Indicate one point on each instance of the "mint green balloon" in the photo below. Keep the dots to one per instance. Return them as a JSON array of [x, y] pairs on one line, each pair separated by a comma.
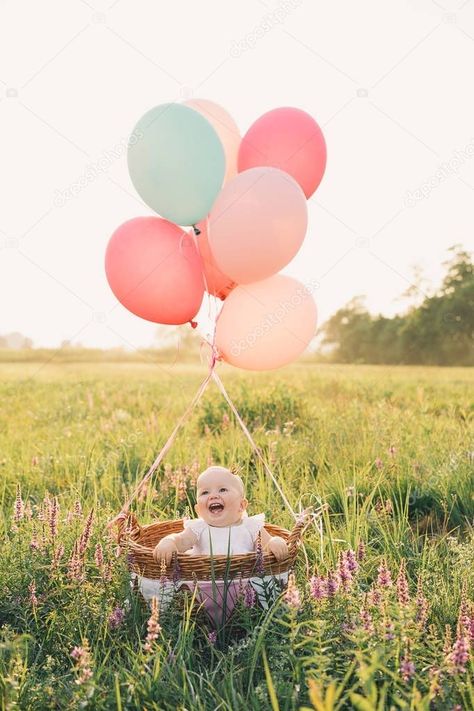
[[176, 162]]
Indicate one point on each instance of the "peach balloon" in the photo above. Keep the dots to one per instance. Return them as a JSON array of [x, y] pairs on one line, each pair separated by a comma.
[[216, 283], [266, 324], [155, 271], [289, 139], [225, 127], [257, 224]]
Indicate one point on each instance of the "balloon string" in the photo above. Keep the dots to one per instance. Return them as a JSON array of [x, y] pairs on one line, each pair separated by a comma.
[[221, 387]]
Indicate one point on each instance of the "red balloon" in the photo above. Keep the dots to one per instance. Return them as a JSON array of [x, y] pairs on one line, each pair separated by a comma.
[[289, 139], [155, 271], [217, 283]]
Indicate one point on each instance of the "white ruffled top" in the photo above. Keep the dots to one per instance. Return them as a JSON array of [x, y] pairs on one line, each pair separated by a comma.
[[238, 538]]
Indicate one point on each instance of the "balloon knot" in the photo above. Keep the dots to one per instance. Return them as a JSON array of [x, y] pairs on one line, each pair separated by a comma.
[[197, 231], [193, 324]]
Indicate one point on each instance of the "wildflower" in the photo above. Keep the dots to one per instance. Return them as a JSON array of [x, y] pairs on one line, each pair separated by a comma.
[[259, 564], [292, 595], [333, 583], [435, 686], [345, 575], [459, 655], [225, 421], [378, 463], [384, 578], [77, 509], [366, 619], [75, 564], [19, 507], [318, 587], [86, 533], [176, 569], [99, 555], [407, 668], [212, 637], [422, 605], [116, 617], [403, 594], [250, 596], [34, 545], [82, 659], [28, 511], [351, 560], [53, 512], [361, 551], [392, 450], [374, 597], [107, 572], [389, 629], [163, 576], [153, 626], [32, 591], [58, 554]]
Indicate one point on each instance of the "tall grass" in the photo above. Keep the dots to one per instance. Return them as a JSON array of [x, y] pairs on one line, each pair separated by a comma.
[[389, 449]]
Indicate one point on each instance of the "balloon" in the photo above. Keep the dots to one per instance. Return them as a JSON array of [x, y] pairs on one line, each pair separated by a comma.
[[257, 224], [225, 127], [289, 139], [216, 283], [266, 324], [155, 271], [176, 162]]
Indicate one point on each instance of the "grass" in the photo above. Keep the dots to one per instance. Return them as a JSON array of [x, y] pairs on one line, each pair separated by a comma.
[[389, 449]]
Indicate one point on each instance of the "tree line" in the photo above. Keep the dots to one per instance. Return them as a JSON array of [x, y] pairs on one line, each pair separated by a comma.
[[437, 331]]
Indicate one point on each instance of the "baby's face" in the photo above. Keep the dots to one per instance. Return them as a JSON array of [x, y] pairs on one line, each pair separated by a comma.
[[219, 499]]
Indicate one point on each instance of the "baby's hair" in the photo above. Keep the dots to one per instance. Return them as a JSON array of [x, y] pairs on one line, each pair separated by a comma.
[[224, 470]]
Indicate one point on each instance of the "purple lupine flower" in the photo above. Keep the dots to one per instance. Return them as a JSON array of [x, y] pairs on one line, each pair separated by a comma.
[[459, 656], [176, 574], [374, 597], [292, 595], [75, 564], [53, 514], [153, 626], [407, 668], [116, 617], [77, 509], [351, 560], [422, 605], [82, 659], [345, 575], [318, 587], [34, 545], [18, 507], [250, 596], [403, 594], [384, 578], [361, 551], [58, 554], [32, 591], [366, 619], [99, 555], [389, 629], [86, 533], [259, 564], [212, 637], [333, 583]]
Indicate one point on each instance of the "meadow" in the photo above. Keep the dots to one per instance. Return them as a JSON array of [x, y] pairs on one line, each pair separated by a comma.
[[380, 613]]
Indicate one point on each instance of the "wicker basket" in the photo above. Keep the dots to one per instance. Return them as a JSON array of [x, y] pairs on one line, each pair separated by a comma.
[[141, 540]]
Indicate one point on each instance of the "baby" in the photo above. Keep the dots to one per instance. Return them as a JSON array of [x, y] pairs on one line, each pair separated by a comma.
[[223, 523]]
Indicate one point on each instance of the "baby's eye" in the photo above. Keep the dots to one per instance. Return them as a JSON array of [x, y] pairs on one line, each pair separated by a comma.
[[204, 492], [222, 488]]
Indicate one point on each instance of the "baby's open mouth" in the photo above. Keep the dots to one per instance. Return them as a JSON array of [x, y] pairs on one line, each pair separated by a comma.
[[216, 507]]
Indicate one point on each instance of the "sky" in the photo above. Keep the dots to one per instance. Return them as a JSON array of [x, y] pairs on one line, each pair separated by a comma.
[[390, 84]]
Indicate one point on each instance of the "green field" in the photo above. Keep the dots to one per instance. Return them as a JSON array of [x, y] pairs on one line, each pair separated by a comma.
[[389, 449]]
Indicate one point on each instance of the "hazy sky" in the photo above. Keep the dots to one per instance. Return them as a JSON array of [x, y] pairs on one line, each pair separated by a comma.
[[389, 82]]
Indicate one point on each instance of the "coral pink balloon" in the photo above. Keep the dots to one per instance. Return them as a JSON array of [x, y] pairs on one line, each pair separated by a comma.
[[289, 139], [266, 324], [155, 271], [257, 224], [225, 127], [216, 283]]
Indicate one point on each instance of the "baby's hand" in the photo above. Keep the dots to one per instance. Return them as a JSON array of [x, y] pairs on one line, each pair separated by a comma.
[[278, 547], [165, 549]]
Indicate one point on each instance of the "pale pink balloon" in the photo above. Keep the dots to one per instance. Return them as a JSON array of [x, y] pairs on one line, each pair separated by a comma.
[[257, 224], [266, 324], [216, 283], [289, 139], [155, 271], [225, 127]]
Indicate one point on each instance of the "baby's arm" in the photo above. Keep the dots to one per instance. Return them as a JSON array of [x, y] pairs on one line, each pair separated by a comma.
[[276, 544], [175, 542]]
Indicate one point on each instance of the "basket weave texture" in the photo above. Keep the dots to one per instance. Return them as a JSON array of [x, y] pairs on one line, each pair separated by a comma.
[[140, 541]]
